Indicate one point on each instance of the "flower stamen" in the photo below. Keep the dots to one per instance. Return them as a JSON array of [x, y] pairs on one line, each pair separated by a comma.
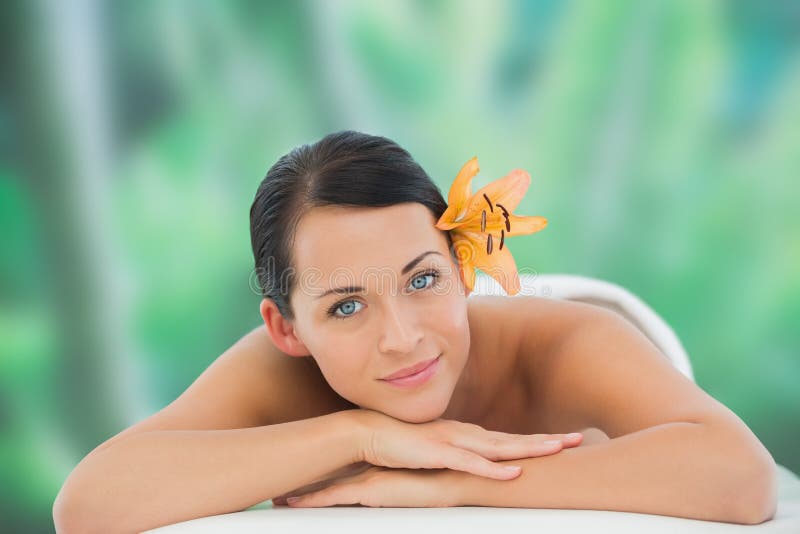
[[491, 208]]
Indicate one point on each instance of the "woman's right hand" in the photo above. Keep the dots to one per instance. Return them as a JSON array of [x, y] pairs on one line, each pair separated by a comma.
[[445, 443]]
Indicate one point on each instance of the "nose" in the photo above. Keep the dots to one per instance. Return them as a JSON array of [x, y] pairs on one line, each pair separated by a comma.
[[400, 331]]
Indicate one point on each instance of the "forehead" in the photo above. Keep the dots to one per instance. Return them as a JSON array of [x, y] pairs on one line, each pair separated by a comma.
[[334, 237]]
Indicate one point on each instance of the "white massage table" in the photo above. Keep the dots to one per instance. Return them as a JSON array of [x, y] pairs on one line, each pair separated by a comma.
[[263, 518]]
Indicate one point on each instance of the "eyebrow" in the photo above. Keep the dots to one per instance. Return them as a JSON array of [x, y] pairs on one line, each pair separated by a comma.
[[345, 290]]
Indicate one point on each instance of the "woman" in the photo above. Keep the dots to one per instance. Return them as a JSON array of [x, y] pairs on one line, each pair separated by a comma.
[[366, 272]]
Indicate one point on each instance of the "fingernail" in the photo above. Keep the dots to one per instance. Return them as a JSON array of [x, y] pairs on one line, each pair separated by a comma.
[[512, 467], [552, 442], [573, 435], [292, 500]]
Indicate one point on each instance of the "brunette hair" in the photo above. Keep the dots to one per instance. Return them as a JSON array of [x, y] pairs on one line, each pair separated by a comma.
[[345, 168]]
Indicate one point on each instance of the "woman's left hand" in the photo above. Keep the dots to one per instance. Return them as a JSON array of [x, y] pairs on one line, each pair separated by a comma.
[[382, 486]]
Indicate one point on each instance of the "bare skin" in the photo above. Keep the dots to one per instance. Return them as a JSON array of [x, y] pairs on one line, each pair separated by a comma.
[[548, 366], [253, 383], [521, 365], [483, 375], [526, 374], [492, 391]]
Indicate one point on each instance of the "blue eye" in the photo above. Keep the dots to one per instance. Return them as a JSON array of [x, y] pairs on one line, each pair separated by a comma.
[[424, 280], [348, 308]]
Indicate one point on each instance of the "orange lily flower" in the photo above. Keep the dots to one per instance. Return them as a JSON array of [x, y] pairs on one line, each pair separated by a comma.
[[479, 225]]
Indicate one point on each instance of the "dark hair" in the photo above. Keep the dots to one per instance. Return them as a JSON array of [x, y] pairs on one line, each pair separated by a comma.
[[345, 168]]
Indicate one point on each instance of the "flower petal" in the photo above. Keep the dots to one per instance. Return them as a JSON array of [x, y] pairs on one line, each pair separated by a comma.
[[507, 191], [459, 195], [523, 224], [499, 264], [465, 251]]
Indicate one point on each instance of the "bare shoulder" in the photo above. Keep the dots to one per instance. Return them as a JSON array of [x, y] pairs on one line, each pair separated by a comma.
[[530, 330], [262, 384], [251, 384], [586, 366], [534, 325]]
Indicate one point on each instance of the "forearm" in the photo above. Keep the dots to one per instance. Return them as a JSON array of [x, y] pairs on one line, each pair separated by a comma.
[[677, 469], [163, 477]]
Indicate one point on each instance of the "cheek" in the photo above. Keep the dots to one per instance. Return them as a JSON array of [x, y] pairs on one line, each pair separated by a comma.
[[450, 323], [344, 362], [451, 318]]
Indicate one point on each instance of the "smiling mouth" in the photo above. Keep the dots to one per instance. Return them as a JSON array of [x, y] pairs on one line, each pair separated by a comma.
[[411, 371], [418, 379]]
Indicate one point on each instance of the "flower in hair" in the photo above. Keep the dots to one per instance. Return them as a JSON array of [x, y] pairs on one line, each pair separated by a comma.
[[479, 224]]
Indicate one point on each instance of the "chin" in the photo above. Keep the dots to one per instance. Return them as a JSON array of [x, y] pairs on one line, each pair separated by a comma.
[[417, 405], [409, 414], [417, 416], [422, 409], [422, 416]]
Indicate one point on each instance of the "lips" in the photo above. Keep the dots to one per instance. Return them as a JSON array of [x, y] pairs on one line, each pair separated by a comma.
[[408, 371]]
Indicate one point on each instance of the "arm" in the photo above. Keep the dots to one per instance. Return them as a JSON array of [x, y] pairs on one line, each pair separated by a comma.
[[250, 427], [690, 470], [157, 478], [674, 449]]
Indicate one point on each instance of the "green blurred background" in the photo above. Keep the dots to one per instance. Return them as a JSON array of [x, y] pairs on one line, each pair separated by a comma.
[[662, 138]]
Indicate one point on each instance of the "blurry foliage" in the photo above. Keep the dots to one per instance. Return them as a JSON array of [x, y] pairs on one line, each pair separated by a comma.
[[661, 138]]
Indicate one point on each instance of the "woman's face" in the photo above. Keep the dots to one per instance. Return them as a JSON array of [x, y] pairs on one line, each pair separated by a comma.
[[405, 304]]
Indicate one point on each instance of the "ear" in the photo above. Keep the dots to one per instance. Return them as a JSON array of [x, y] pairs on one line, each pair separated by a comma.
[[281, 330]]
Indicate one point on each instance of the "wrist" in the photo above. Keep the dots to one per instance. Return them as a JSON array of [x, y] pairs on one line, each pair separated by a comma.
[[359, 428], [455, 485]]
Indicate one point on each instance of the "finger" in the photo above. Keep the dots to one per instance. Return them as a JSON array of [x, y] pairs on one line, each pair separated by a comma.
[[347, 470], [361, 475], [569, 440], [470, 462], [524, 447], [339, 494], [315, 486], [345, 474], [501, 446]]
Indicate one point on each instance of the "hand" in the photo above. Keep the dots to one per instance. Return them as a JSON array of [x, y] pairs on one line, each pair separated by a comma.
[[379, 486], [443, 443], [326, 480]]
